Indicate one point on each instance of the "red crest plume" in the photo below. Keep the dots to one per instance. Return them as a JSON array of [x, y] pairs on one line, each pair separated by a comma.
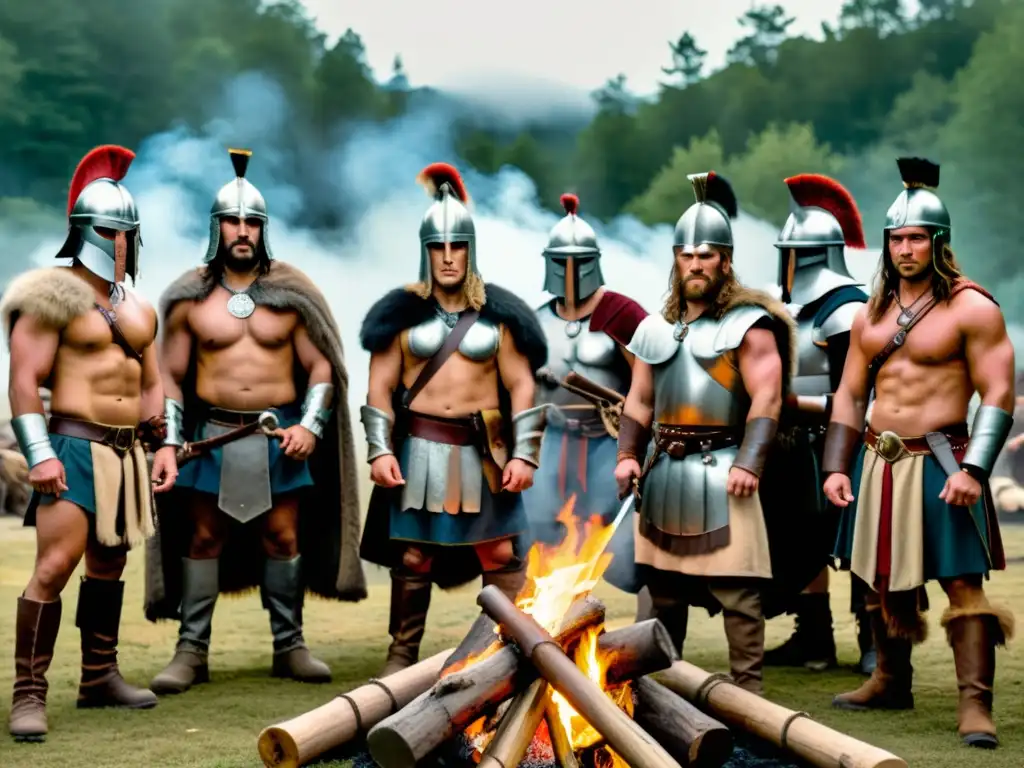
[[436, 174], [570, 202], [105, 162], [813, 189]]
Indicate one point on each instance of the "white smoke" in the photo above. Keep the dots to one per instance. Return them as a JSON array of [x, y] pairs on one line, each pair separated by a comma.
[[177, 173]]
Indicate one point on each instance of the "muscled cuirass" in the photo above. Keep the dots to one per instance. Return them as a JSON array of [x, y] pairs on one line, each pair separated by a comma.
[[572, 347], [479, 344]]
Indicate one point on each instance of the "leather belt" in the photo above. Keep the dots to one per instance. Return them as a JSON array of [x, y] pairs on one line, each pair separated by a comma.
[[229, 418], [892, 447], [121, 439], [441, 430], [679, 441]]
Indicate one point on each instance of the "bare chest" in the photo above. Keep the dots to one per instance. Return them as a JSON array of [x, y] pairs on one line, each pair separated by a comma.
[[216, 328], [934, 340], [92, 332]]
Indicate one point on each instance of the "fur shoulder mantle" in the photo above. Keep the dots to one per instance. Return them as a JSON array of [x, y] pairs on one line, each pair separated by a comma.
[[400, 309], [54, 295], [784, 326]]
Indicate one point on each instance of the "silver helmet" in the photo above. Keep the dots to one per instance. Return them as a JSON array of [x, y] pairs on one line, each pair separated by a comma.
[[825, 220], [99, 204], [706, 222], [572, 269], [239, 199], [448, 219], [918, 205]]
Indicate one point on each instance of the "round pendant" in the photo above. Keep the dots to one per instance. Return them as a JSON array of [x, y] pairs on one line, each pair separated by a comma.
[[573, 328], [680, 332], [241, 305]]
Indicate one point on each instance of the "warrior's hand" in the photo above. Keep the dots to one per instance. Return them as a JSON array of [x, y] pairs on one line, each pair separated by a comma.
[[48, 477], [165, 469], [626, 472], [741, 482], [838, 489], [297, 442], [384, 471], [961, 490], [518, 476]]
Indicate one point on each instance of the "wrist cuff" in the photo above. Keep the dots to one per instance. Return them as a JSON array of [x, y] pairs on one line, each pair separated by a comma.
[[316, 408], [633, 439], [757, 439], [377, 426], [33, 436], [841, 442], [527, 432], [989, 431], [174, 416]]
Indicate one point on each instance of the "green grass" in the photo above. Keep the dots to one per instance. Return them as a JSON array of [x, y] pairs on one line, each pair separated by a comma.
[[216, 725]]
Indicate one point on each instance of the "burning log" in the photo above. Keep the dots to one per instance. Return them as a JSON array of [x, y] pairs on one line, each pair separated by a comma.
[[481, 636], [793, 731], [517, 728], [561, 742], [636, 650], [628, 739], [297, 741], [463, 697], [689, 735]]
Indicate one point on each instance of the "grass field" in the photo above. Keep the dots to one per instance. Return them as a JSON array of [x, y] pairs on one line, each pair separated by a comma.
[[216, 725]]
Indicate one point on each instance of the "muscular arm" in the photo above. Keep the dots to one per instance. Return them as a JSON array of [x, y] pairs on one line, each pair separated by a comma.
[[989, 351], [639, 404], [385, 376], [33, 352], [514, 369], [313, 361], [176, 351], [152, 403], [761, 370]]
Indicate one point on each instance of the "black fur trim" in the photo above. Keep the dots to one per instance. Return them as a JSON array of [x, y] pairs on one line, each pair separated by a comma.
[[400, 309]]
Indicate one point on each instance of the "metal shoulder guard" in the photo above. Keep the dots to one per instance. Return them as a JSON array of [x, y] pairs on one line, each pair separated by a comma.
[[733, 327], [988, 435], [316, 408], [33, 438], [654, 341], [840, 321], [527, 431], [377, 426], [174, 415]]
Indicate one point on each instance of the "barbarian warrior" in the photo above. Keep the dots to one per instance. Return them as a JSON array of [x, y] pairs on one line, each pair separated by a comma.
[[254, 372], [922, 511], [708, 383], [579, 447], [452, 433], [82, 334], [823, 298]]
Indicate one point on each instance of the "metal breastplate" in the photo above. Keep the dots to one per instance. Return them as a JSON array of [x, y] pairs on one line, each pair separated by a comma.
[[593, 355], [479, 344], [698, 385], [812, 374]]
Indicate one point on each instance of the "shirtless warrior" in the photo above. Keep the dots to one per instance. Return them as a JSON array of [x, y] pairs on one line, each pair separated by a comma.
[[244, 334], [823, 298], [82, 334], [708, 382], [452, 433], [912, 486], [587, 328]]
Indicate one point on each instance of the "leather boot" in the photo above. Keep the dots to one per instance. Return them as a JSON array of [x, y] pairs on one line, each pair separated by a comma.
[[509, 580], [744, 631], [974, 652], [410, 601], [199, 590], [812, 644], [35, 634], [283, 595], [890, 685], [672, 612], [99, 618], [865, 642]]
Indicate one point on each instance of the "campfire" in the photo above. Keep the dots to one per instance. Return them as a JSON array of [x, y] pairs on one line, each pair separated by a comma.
[[540, 682]]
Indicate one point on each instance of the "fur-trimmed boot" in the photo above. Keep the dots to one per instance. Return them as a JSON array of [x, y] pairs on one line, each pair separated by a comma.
[[974, 634], [890, 685], [99, 619], [283, 596], [812, 644], [35, 635], [199, 590], [410, 601]]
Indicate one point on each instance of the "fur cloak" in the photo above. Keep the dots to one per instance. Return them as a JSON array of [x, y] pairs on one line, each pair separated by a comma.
[[329, 516], [396, 311]]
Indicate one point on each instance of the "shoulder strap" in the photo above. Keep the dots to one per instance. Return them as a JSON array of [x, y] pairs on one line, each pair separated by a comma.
[[844, 295], [466, 319], [118, 335]]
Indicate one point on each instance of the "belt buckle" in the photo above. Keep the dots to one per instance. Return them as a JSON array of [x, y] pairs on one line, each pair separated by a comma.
[[124, 439], [889, 446]]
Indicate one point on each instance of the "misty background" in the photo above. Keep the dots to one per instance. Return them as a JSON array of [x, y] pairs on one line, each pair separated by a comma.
[[337, 145]]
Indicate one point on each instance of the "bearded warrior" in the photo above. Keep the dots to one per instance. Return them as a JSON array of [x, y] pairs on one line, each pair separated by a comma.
[[823, 298], [80, 332], [587, 329], [453, 437], [700, 418], [922, 511], [247, 336]]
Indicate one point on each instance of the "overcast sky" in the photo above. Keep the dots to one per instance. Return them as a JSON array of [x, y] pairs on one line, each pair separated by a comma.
[[581, 43]]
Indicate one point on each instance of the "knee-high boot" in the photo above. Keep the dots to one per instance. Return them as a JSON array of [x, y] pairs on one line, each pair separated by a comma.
[[283, 595], [199, 590], [35, 635], [410, 602], [891, 682], [744, 631]]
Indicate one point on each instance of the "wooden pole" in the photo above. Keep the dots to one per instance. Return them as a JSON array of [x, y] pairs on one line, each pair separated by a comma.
[[794, 732], [296, 742], [561, 740], [690, 736], [637, 748], [517, 729]]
